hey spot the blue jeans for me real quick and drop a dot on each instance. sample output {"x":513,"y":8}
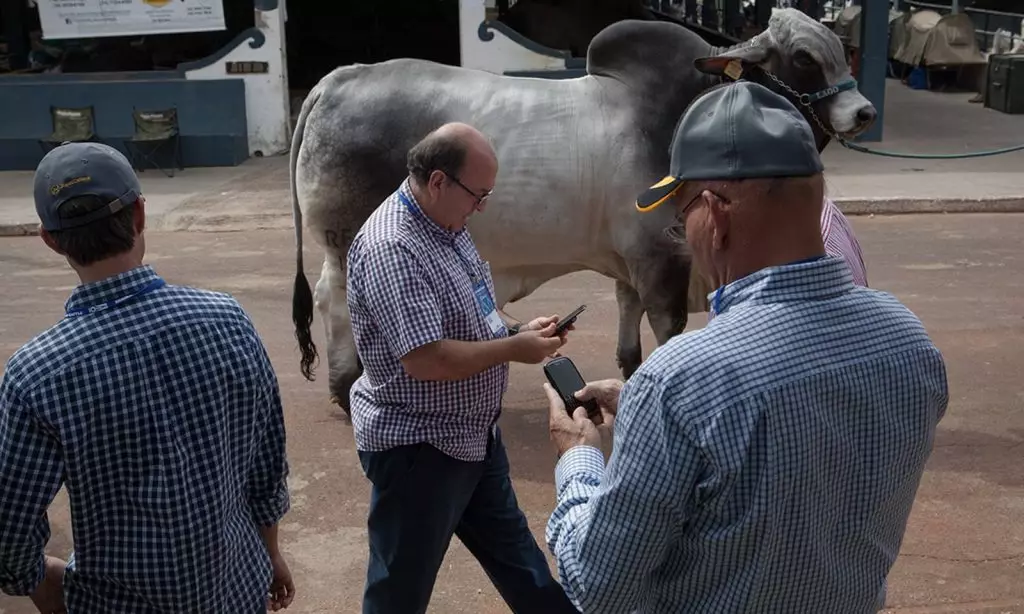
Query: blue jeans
{"x":420,"y":498}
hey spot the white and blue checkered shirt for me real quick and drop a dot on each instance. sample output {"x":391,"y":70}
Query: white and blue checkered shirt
{"x":410,"y":283}
{"x":162,"y":417}
{"x":765,"y":463}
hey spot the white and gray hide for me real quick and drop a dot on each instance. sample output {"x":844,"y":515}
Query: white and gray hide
{"x":573,"y":156}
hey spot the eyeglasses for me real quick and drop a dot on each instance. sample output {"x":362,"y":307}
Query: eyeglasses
{"x":480,"y":198}
{"x":682,"y":212}
{"x":677,"y":231}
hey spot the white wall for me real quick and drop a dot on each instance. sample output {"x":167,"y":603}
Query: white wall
{"x":500,"y":53}
{"x":266,"y":95}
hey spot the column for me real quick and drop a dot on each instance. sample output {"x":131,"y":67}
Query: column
{"x":874,"y":55}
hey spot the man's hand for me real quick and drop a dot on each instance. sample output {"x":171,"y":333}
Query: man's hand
{"x":606,"y":393}
{"x":533,"y":346}
{"x":282,"y":589}
{"x":569,"y":432}
{"x":542,"y":322}
{"x":49,"y":595}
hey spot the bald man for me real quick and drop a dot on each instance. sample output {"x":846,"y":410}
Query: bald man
{"x":767,"y":462}
{"x":435,"y":351}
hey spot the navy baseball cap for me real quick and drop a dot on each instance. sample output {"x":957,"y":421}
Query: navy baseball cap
{"x":737,"y":131}
{"x":78,"y":169}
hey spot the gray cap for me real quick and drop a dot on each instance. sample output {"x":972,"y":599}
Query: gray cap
{"x":737,"y":131}
{"x":78,"y":169}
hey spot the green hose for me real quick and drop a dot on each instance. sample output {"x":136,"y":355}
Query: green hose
{"x":893,"y":154}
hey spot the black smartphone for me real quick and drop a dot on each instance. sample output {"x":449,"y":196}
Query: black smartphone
{"x":565,"y":378}
{"x":569,"y":319}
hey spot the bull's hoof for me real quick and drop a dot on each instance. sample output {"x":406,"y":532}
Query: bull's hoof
{"x":347,"y":417}
{"x":629,"y":361}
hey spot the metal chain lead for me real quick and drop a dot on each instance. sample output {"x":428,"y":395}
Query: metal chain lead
{"x":805,"y":101}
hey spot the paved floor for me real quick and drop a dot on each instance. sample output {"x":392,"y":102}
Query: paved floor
{"x":963,"y":274}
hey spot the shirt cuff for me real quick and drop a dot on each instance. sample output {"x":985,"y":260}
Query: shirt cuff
{"x":579,"y":461}
{"x":24,"y":585}
{"x":269,"y":512}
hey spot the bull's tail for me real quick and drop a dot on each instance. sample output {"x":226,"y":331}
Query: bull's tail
{"x":302,"y":297}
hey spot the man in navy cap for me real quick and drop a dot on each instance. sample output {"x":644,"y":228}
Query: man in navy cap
{"x":157,"y":407}
{"x":769,"y":461}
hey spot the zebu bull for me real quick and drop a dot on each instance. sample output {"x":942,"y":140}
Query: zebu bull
{"x":573,"y":156}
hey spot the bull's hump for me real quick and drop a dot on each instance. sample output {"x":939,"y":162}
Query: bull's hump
{"x":650,"y":50}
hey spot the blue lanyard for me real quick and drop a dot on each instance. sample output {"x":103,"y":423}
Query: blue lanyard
{"x":465,"y":263}
{"x":81,"y":311}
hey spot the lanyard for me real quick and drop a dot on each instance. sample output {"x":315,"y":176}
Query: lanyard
{"x":465,"y":262}
{"x":81,"y":311}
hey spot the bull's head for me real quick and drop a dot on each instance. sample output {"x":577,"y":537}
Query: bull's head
{"x":806,"y":56}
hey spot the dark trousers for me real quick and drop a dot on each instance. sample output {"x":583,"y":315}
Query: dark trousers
{"x":420,"y":498}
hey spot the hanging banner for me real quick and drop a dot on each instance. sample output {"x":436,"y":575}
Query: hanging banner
{"x":98,"y":18}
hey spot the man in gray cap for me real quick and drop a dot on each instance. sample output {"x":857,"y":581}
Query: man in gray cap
{"x":769,"y":461}
{"x":157,"y":407}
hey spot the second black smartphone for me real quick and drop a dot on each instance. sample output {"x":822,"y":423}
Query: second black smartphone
{"x":565,"y":378}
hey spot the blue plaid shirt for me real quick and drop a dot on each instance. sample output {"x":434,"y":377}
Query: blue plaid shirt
{"x":765,"y":463}
{"x":410,"y":283}
{"x":162,"y":417}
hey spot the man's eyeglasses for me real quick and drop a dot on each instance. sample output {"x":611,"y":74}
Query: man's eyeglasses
{"x":677,"y":231}
{"x":480,"y":198}
{"x":682,"y":212}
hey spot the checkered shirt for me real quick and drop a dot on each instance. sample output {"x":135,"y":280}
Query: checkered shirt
{"x":840,"y":241}
{"x":409,"y":284}
{"x":163,"y":419}
{"x":765,"y":463}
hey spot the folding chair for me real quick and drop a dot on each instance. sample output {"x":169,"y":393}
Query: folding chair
{"x":71,"y":124}
{"x":153,"y":130}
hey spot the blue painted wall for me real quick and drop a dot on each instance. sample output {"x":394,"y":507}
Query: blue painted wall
{"x":211,"y":113}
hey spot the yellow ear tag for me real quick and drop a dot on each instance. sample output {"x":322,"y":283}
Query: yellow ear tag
{"x":733,"y":69}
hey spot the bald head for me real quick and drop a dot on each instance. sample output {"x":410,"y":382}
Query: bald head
{"x":452,"y":171}
{"x":448,"y":149}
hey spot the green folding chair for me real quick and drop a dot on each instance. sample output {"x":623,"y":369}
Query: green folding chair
{"x":70,"y":124}
{"x":153,"y":131}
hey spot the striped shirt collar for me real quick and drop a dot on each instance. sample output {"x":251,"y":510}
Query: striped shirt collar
{"x":417,"y":213}
{"x":816,"y":279}
{"x":111,"y":288}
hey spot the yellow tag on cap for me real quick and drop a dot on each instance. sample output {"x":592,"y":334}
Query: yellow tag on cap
{"x":733,"y":69}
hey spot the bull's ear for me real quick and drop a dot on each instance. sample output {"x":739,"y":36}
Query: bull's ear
{"x":732,"y":63}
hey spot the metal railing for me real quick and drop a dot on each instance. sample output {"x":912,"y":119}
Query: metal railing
{"x":986,"y":22}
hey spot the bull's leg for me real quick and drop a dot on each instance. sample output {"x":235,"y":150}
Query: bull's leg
{"x":697,"y":299}
{"x":629,"y":352}
{"x":342,"y":360}
{"x":667,"y":304}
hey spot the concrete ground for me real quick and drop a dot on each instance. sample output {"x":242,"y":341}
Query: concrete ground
{"x":963,"y":275}
{"x":255,"y":195}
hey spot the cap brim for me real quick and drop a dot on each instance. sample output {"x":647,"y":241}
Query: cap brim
{"x":658,"y":194}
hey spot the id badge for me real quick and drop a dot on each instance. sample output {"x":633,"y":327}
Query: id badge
{"x":487,"y":310}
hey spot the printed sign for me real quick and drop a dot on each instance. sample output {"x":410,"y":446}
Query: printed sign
{"x":98,"y":18}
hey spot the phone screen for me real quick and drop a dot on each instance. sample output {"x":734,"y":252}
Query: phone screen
{"x":564,"y":378}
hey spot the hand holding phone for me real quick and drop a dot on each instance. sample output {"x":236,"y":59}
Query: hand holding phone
{"x":568,"y":320}
{"x":565,"y":378}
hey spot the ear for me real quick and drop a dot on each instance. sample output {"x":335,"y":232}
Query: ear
{"x":720,"y":221}
{"x":435,"y":180}
{"x":50,"y":241}
{"x":733,"y":63}
{"x":139,"y":215}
